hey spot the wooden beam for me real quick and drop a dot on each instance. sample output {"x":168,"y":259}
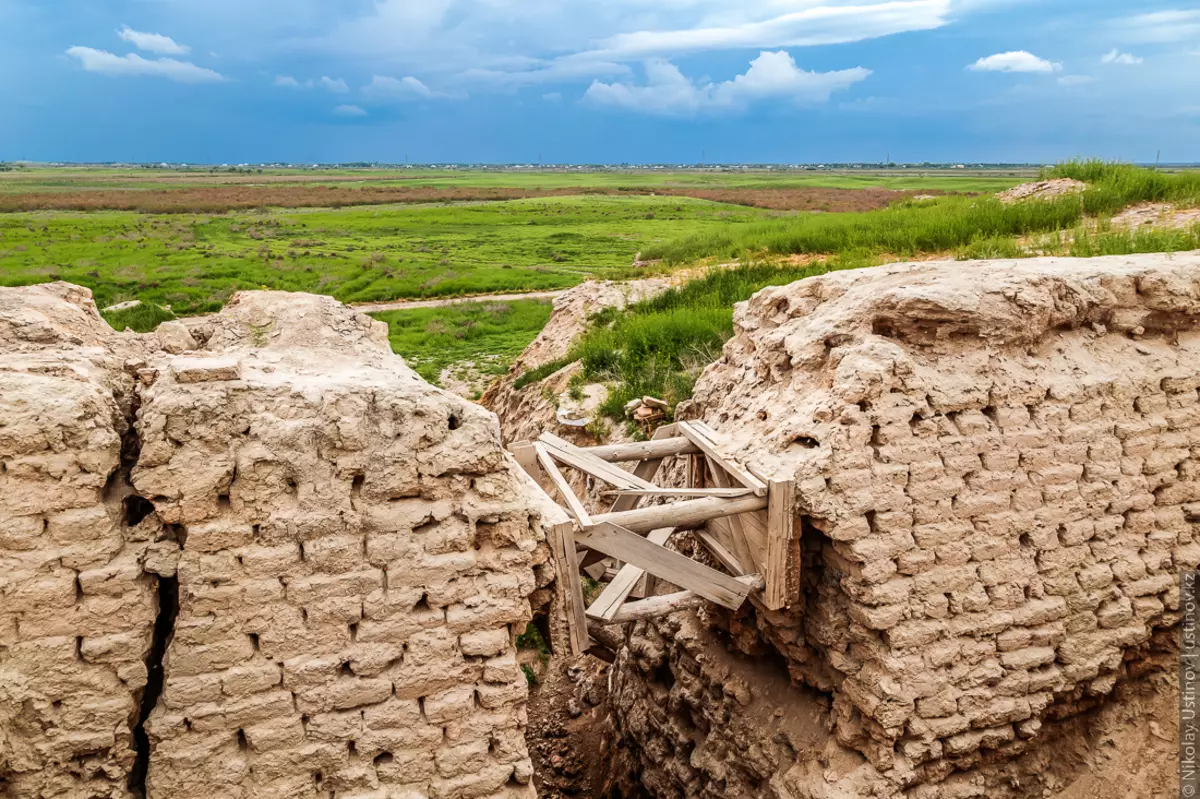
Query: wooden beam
{"x":723,"y":555}
{"x":645,"y":470}
{"x":681,"y":514}
{"x":615,"y":593}
{"x":780,"y":518}
{"x":628,"y":546}
{"x":743,"y":549}
{"x":570,"y":588}
{"x":729,"y":493}
{"x":654,"y":449}
{"x":564,"y":488}
{"x":579,"y":458}
{"x":700,"y":438}
{"x":526,"y":457}
{"x":669,"y":603}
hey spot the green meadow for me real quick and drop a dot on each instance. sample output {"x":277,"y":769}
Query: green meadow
{"x":193,"y":263}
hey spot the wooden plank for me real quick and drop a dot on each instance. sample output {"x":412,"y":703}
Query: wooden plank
{"x":736,"y":470}
{"x":669,"y":603}
{"x":616,"y":592}
{"x":681,"y":514}
{"x":570,"y":588}
{"x":780,"y":502}
{"x":576,"y":457}
{"x":656,"y":448}
{"x":564,"y":488}
{"x":723,"y":555}
{"x":645,"y":470}
{"x":743,"y":549}
{"x":709,"y":583}
{"x":729,"y":493}
{"x":526,"y":457}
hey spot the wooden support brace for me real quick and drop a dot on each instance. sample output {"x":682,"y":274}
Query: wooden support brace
{"x":701,"y":439}
{"x":681,"y":514}
{"x":628,"y":546}
{"x":780,"y":519}
{"x":579,"y":458}
{"x":615,"y":593}
{"x":669,"y":603}
{"x":728,"y":493}
{"x":723,"y":555}
{"x":657,"y":448}
{"x":745,"y":551}
{"x":564,"y":488}
{"x":570,"y":588}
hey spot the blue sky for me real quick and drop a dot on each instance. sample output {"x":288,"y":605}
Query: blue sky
{"x":229,"y":81}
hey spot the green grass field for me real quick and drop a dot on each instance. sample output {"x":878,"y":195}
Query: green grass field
{"x":187,"y":263}
{"x":70,"y":179}
{"x":484,"y":337}
{"x":193,"y":263}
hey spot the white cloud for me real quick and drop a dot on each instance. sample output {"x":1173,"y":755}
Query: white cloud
{"x":349,"y":111}
{"x":1160,"y":26}
{"x":773,"y":75}
{"x":383,"y":87}
{"x":1115,"y":56}
{"x":818,"y":25}
{"x":152,"y":42}
{"x":552,"y":97}
{"x":1015,"y":61}
{"x":335,"y":85}
{"x":133,"y":65}
{"x":505,"y":44}
{"x":1076,"y":80}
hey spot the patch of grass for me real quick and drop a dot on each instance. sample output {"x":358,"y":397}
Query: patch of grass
{"x":142,"y":319}
{"x":489,"y":334}
{"x":1126,"y":242}
{"x":905,"y":229}
{"x":1113,"y":186}
{"x":982,"y":247}
{"x":532,"y":639}
{"x":530,"y":676}
{"x":660,"y":346}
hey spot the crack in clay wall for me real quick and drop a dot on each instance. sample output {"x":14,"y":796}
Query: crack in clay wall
{"x":298,"y":572}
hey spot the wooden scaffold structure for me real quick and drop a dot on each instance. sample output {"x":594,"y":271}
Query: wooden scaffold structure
{"x":744,"y":519}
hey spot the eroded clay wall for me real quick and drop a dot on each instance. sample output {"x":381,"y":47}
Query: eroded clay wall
{"x":998,"y":470}
{"x":76,"y":607}
{"x":344,"y":559}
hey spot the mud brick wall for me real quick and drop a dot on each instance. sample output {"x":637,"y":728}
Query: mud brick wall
{"x":341,"y":559}
{"x":76,"y":608}
{"x":998,"y":466}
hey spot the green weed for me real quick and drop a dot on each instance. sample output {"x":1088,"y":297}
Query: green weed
{"x":142,"y":319}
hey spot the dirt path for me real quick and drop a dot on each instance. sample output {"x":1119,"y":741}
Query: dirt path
{"x":402,"y":305}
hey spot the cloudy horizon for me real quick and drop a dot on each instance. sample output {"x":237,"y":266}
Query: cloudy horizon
{"x":625,"y":81}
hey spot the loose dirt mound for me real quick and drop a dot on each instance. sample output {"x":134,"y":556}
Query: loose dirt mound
{"x":1158,"y":216}
{"x":1042,"y":190}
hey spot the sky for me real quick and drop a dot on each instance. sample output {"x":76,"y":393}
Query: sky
{"x":606,"y":81}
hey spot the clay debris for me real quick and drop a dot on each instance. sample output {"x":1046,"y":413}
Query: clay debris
{"x":1042,"y":190}
{"x":276,"y":565}
{"x":996,"y":465}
